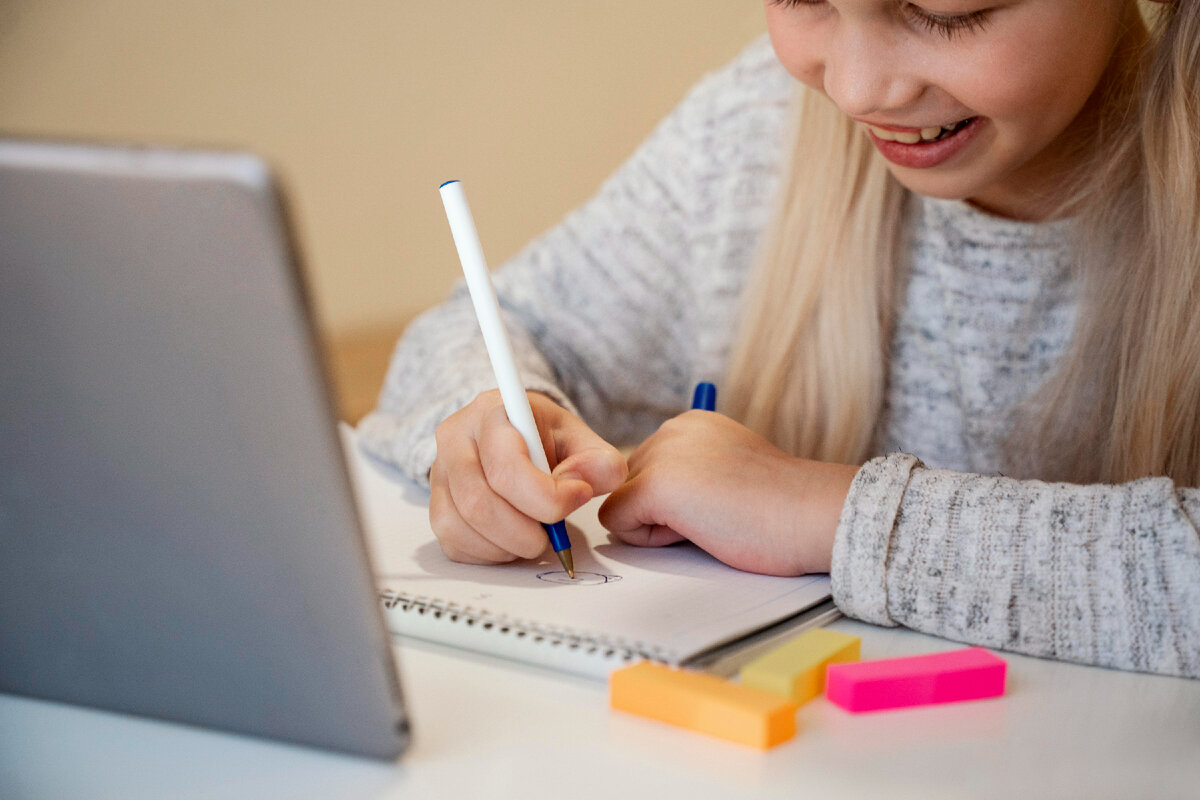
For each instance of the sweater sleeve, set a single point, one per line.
(1095, 574)
(601, 309)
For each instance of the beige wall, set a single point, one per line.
(365, 107)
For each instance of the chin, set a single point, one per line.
(942, 187)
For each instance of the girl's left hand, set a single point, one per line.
(707, 479)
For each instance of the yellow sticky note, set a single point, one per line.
(703, 703)
(797, 669)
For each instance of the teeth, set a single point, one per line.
(912, 137)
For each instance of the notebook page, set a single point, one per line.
(667, 603)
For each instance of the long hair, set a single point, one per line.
(806, 369)
(1126, 401)
(809, 364)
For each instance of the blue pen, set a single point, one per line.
(705, 397)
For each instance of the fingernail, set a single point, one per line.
(569, 475)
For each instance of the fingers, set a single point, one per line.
(650, 536)
(602, 468)
(486, 495)
(494, 518)
(508, 471)
(458, 540)
(576, 451)
(475, 526)
(471, 521)
(628, 514)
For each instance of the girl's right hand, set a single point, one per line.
(486, 496)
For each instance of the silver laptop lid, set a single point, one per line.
(178, 537)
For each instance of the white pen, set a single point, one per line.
(487, 310)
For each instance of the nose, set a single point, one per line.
(865, 73)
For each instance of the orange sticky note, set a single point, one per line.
(703, 703)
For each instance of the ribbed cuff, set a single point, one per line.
(860, 547)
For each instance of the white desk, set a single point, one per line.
(485, 728)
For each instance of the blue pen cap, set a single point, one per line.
(705, 397)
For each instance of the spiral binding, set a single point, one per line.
(588, 643)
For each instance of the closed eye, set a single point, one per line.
(947, 25)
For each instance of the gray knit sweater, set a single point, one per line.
(619, 310)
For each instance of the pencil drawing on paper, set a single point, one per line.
(581, 578)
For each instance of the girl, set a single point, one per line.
(942, 257)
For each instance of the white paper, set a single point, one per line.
(666, 603)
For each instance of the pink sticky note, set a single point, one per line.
(970, 674)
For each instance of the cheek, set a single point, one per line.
(796, 47)
(1033, 89)
(1019, 104)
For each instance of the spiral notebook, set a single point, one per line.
(676, 605)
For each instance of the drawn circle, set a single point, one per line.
(581, 578)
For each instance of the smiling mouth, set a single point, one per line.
(924, 136)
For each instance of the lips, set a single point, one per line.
(925, 154)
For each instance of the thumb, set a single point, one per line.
(590, 458)
(629, 515)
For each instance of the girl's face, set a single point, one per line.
(983, 98)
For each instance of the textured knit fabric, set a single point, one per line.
(618, 311)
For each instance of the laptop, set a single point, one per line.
(178, 534)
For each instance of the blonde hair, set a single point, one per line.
(809, 364)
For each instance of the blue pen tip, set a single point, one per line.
(447, 183)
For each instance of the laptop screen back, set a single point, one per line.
(178, 537)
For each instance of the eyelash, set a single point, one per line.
(947, 25)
